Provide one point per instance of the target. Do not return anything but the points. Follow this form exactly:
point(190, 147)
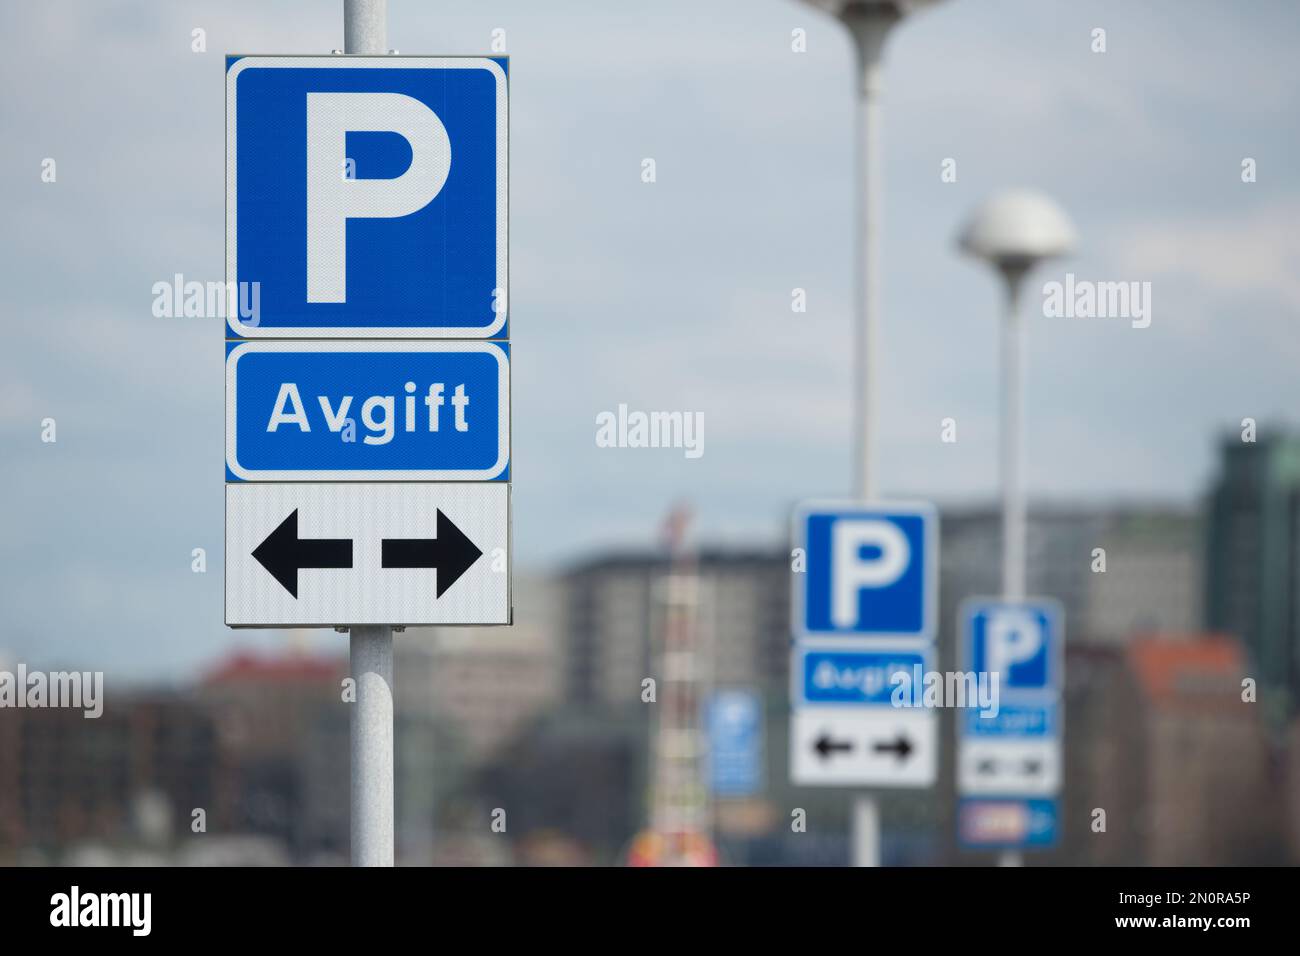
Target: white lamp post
point(869, 22)
point(1013, 232)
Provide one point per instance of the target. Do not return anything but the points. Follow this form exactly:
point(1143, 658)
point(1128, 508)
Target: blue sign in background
point(436, 267)
point(850, 677)
point(260, 371)
point(734, 719)
point(899, 608)
point(1040, 817)
point(1013, 720)
point(1034, 673)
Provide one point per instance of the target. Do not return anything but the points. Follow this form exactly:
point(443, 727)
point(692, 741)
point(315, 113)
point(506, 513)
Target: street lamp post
point(1013, 232)
point(869, 23)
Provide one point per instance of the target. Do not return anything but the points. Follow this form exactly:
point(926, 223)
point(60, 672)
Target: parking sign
point(366, 196)
point(870, 570)
point(367, 457)
point(1018, 641)
point(863, 623)
point(1013, 751)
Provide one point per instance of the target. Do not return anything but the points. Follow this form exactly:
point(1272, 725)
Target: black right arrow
point(283, 553)
point(902, 746)
point(450, 554)
point(825, 746)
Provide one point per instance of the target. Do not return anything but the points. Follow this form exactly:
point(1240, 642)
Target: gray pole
point(365, 30)
point(372, 746)
point(365, 26)
point(1013, 461)
point(869, 28)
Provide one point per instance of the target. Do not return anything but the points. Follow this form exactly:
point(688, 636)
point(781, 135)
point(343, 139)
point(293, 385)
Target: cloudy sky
point(671, 296)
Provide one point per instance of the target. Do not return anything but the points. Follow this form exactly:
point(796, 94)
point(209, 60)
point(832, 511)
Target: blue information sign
point(734, 719)
point(358, 410)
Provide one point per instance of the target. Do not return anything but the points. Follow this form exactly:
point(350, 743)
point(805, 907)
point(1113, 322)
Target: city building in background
point(544, 721)
point(1252, 580)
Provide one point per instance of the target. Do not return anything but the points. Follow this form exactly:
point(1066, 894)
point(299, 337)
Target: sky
point(673, 295)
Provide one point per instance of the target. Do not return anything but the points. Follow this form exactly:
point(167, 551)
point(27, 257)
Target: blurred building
point(1104, 759)
point(577, 772)
point(485, 683)
point(1158, 737)
point(1151, 582)
point(608, 610)
point(149, 760)
point(282, 729)
point(1252, 583)
point(1210, 793)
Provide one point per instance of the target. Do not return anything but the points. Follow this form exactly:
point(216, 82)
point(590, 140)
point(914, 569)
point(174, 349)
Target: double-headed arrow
point(1032, 767)
point(825, 745)
point(284, 554)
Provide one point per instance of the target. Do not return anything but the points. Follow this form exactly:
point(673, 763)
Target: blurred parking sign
point(734, 719)
point(863, 616)
point(1021, 642)
point(1013, 752)
point(871, 570)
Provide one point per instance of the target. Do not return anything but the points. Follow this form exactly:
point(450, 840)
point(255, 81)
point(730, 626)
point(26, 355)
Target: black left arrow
point(825, 745)
point(450, 554)
point(284, 554)
point(902, 746)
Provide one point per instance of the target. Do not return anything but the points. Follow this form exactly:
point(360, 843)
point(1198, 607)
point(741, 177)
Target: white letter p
point(1011, 636)
point(333, 199)
point(850, 573)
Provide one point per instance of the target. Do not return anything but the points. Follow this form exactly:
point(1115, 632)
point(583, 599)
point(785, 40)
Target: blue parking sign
point(366, 196)
point(1020, 641)
point(870, 570)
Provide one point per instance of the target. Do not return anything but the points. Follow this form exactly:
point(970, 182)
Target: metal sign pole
point(372, 746)
point(1013, 463)
point(365, 30)
point(869, 37)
